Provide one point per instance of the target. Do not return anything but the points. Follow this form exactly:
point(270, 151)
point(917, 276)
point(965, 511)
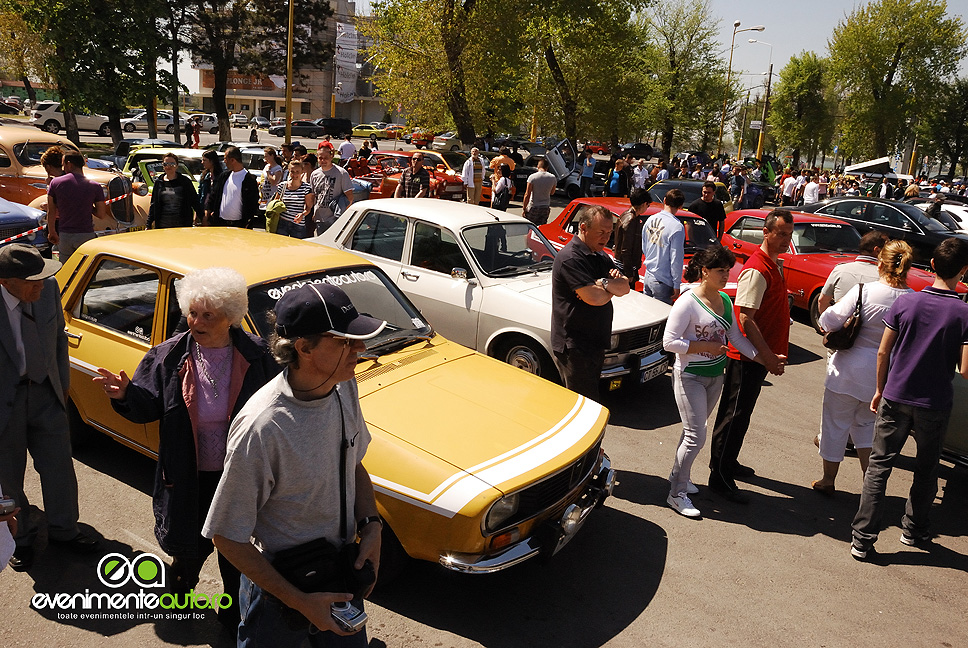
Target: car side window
point(436, 249)
point(572, 225)
point(846, 208)
point(4, 160)
point(748, 230)
point(884, 215)
point(121, 297)
point(381, 234)
point(175, 322)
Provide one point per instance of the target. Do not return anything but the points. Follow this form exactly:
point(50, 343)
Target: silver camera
point(348, 616)
point(7, 505)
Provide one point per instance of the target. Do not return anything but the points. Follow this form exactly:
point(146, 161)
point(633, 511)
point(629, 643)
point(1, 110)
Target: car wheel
point(454, 148)
point(104, 130)
point(815, 312)
point(419, 146)
point(80, 432)
point(525, 353)
point(213, 131)
point(759, 201)
point(573, 191)
point(129, 128)
point(51, 126)
point(170, 128)
point(313, 134)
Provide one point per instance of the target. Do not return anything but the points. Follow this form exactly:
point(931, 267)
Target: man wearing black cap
point(34, 375)
point(293, 473)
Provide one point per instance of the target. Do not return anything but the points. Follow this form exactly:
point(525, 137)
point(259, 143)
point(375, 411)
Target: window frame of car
point(77, 308)
point(351, 237)
point(741, 223)
point(411, 246)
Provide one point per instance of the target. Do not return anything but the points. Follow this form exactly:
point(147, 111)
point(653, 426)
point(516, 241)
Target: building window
point(245, 106)
point(304, 108)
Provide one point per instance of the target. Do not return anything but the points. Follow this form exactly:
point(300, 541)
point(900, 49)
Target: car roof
point(453, 215)
point(11, 135)
point(161, 151)
point(258, 256)
point(798, 217)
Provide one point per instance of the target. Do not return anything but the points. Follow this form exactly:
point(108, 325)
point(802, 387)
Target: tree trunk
point(456, 90)
point(795, 164)
point(221, 71)
point(31, 93)
point(114, 124)
point(668, 132)
point(174, 87)
point(569, 106)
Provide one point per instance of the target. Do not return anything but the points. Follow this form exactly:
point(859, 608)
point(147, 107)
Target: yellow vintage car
point(476, 465)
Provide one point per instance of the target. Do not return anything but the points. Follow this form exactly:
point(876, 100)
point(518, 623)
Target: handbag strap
point(860, 294)
point(344, 444)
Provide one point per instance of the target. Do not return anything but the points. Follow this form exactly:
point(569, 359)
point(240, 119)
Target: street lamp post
point(742, 126)
point(766, 104)
point(289, 76)
point(729, 74)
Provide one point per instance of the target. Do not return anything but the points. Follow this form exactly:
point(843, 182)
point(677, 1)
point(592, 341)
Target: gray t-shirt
point(328, 185)
point(847, 275)
point(281, 480)
point(542, 186)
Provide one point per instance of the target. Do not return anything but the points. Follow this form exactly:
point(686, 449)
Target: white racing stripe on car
point(459, 489)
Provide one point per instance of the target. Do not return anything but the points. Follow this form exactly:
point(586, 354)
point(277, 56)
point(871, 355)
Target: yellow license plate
point(615, 383)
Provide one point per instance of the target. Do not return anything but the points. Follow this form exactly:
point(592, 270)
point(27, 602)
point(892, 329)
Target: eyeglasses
point(418, 159)
point(169, 164)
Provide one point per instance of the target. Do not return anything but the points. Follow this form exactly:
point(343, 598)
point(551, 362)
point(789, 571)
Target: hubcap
point(524, 357)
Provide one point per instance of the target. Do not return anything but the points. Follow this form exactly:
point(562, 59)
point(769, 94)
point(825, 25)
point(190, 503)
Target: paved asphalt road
point(774, 573)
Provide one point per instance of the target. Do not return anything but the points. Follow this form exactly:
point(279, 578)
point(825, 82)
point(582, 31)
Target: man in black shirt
point(583, 282)
point(709, 208)
point(415, 180)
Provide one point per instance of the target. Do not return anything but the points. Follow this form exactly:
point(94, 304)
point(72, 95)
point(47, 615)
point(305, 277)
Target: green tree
point(251, 38)
point(802, 114)
point(946, 124)
point(22, 52)
point(885, 60)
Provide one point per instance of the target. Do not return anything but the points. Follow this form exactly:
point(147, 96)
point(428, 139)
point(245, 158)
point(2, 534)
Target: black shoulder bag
point(318, 565)
point(844, 337)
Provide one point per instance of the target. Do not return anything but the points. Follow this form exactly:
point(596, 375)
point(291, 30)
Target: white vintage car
point(483, 279)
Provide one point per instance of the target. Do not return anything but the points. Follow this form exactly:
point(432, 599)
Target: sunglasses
point(169, 164)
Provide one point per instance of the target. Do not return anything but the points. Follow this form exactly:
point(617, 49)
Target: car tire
point(454, 148)
point(313, 134)
point(51, 126)
point(419, 146)
point(170, 128)
point(759, 201)
point(527, 354)
point(573, 191)
point(80, 432)
point(814, 311)
point(104, 130)
point(129, 128)
point(213, 131)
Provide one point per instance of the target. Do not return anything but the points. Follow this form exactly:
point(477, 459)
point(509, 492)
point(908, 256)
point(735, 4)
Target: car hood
point(632, 311)
point(494, 425)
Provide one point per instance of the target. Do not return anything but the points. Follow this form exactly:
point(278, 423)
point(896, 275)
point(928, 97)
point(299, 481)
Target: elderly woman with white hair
point(194, 383)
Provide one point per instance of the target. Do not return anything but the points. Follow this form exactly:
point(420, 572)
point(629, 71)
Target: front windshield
point(926, 221)
point(454, 159)
point(29, 153)
point(506, 249)
point(371, 292)
point(699, 235)
point(825, 237)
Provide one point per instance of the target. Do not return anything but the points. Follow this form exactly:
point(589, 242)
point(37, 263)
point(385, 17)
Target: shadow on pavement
point(107, 456)
point(589, 593)
point(797, 355)
point(651, 406)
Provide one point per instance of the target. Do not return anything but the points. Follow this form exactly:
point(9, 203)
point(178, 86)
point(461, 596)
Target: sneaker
point(683, 505)
point(862, 555)
point(914, 539)
point(691, 489)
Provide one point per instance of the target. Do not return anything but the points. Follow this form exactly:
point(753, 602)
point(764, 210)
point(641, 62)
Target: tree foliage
point(22, 51)
point(803, 112)
point(251, 37)
point(944, 128)
point(885, 60)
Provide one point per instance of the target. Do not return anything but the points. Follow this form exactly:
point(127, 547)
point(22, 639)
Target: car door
point(745, 237)
point(452, 305)
point(111, 323)
point(380, 237)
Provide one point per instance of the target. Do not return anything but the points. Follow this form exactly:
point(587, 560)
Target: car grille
point(548, 492)
point(645, 341)
point(123, 210)
point(13, 230)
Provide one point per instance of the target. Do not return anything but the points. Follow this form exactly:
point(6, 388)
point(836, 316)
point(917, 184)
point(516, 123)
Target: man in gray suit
point(34, 374)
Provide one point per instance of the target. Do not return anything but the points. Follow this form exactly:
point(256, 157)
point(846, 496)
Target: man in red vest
point(763, 313)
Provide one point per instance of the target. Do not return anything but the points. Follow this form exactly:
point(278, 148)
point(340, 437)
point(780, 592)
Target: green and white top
point(690, 321)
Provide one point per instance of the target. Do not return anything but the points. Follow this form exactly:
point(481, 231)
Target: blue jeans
point(263, 625)
point(656, 289)
point(291, 229)
point(895, 422)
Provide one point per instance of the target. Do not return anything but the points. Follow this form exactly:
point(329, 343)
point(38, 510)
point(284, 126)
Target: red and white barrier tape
point(114, 200)
point(21, 235)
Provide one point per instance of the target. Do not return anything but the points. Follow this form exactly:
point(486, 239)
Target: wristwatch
point(604, 284)
point(367, 520)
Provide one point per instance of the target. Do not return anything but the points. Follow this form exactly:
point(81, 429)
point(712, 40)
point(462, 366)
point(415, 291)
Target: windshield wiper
point(401, 340)
point(508, 271)
point(541, 265)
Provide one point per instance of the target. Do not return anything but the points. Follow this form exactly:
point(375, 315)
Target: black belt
point(24, 380)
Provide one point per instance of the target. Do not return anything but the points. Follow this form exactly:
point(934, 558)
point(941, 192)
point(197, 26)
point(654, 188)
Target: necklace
point(200, 363)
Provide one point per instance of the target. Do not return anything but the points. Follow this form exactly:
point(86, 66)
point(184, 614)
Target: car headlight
point(141, 189)
point(613, 342)
point(501, 511)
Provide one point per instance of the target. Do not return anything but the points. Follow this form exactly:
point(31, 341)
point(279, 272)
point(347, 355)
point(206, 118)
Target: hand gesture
point(114, 386)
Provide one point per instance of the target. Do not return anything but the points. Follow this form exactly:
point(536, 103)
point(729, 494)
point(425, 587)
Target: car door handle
point(409, 275)
point(73, 336)
point(563, 238)
point(736, 245)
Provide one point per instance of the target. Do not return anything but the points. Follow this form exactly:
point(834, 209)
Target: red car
point(384, 169)
point(698, 233)
point(600, 148)
point(819, 243)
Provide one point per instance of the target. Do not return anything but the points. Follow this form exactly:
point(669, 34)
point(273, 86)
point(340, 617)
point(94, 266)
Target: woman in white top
point(852, 373)
point(699, 324)
point(501, 187)
point(271, 173)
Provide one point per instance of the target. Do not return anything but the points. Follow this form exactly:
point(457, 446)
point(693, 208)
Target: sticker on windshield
point(833, 225)
point(334, 280)
point(417, 322)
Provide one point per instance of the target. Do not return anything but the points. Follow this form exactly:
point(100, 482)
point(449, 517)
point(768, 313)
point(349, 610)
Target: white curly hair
point(221, 289)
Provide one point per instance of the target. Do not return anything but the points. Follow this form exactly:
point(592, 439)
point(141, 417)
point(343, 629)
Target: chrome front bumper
point(548, 537)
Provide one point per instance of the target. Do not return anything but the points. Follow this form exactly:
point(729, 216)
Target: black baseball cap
point(316, 308)
point(19, 261)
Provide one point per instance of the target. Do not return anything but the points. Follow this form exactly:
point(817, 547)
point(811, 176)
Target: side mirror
point(459, 273)
point(441, 168)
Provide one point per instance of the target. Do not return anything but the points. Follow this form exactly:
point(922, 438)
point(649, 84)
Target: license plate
point(654, 371)
point(615, 383)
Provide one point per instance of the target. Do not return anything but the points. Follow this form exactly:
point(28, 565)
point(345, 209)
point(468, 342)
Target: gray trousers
point(38, 424)
point(69, 242)
point(656, 289)
point(696, 397)
point(895, 422)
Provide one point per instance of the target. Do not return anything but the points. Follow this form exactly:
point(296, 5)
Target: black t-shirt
point(575, 324)
point(712, 211)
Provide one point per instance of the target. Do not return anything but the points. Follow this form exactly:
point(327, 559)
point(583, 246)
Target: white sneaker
point(691, 488)
point(683, 505)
